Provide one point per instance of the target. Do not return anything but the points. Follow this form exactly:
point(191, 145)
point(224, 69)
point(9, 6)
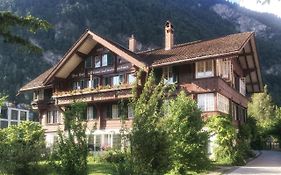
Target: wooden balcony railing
point(93, 95)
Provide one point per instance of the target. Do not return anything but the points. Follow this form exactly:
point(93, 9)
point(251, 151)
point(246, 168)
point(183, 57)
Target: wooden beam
point(255, 66)
point(246, 61)
point(80, 54)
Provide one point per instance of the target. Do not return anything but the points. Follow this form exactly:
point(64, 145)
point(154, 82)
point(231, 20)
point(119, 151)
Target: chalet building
point(219, 73)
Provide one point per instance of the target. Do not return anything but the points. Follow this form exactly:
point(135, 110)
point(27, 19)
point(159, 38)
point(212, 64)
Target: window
point(104, 59)
point(94, 83)
point(106, 81)
point(4, 124)
point(131, 79)
point(88, 62)
point(170, 76)
point(206, 102)
point(130, 111)
point(97, 62)
point(14, 114)
point(204, 69)
point(223, 103)
point(4, 113)
point(78, 84)
point(242, 88)
point(91, 112)
point(115, 111)
point(117, 80)
point(23, 115)
point(234, 111)
point(52, 117)
point(109, 111)
point(225, 69)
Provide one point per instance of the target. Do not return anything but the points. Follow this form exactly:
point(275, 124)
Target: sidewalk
point(228, 169)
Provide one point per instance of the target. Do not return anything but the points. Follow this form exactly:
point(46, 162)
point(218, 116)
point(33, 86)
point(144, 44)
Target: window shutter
point(110, 58)
point(94, 112)
point(175, 74)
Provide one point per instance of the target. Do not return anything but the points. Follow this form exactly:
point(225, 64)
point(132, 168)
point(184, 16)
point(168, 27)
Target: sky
point(273, 7)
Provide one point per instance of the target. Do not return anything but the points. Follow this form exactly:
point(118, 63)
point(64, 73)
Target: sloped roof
point(230, 44)
point(37, 82)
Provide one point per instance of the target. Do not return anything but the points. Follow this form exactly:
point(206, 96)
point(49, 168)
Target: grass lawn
point(100, 168)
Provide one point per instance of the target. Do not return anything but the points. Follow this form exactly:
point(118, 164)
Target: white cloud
point(273, 7)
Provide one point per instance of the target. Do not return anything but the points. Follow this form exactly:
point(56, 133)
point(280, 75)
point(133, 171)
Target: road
point(269, 162)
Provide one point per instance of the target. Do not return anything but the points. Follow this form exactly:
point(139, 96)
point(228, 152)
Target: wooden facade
point(101, 73)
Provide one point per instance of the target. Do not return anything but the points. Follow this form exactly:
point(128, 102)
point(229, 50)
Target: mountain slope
point(193, 20)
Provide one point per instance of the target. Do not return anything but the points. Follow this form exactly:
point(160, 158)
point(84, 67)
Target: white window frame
point(98, 61)
point(104, 60)
point(242, 84)
point(206, 101)
point(168, 75)
point(204, 74)
point(114, 111)
point(222, 103)
point(131, 78)
point(51, 115)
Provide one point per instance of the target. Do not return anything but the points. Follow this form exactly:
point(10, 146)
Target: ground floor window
point(102, 142)
point(206, 102)
point(91, 112)
point(53, 117)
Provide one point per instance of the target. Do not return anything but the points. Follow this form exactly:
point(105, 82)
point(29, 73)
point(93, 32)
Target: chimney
point(132, 43)
point(169, 35)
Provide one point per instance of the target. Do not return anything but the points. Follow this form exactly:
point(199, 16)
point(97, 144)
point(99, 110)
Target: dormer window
point(204, 69)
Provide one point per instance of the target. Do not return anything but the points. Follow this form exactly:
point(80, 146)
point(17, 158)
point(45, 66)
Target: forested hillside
point(193, 20)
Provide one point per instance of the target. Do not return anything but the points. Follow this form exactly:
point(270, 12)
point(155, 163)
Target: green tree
point(21, 148)
point(9, 21)
point(225, 151)
point(262, 109)
point(148, 140)
point(188, 141)
point(72, 150)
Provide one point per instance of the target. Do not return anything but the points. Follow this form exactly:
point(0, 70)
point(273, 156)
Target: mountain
point(193, 20)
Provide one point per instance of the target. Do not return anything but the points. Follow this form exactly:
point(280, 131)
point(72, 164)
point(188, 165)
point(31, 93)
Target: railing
point(93, 95)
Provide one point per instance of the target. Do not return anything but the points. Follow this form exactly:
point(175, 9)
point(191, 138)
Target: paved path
point(269, 162)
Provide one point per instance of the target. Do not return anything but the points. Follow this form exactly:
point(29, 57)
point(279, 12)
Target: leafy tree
point(21, 148)
point(188, 141)
point(262, 109)
point(72, 149)
point(8, 21)
point(226, 138)
point(148, 141)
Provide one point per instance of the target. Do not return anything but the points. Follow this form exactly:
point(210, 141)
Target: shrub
point(113, 156)
point(21, 147)
point(187, 139)
point(71, 150)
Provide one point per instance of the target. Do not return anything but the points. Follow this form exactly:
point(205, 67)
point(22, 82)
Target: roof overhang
point(249, 61)
point(83, 47)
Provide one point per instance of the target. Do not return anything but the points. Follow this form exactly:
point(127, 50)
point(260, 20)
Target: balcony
point(42, 104)
point(99, 94)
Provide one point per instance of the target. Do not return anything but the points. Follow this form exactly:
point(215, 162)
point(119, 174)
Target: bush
point(21, 147)
point(187, 139)
point(113, 156)
point(121, 161)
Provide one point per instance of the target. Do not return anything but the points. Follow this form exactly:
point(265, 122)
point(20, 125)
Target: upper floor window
point(117, 80)
point(88, 62)
point(170, 76)
point(52, 117)
point(130, 111)
point(78, 84)
point(206, 102)
point(223, 103)
point(242, 88)
point(105, 59)
point(107, 81)
point(94, 83)
point(204, 69)
point(97, 61)
point(131, 78)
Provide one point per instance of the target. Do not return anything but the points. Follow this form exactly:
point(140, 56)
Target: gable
point(82, 48)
